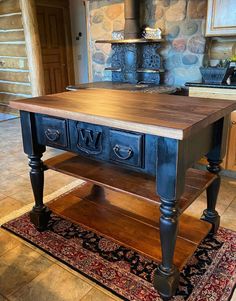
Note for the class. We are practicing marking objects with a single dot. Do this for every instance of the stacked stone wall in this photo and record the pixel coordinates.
(181, 21)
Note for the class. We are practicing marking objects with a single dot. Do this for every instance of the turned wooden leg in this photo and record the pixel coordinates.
(40, 214)
(166, 277)
(210, 214)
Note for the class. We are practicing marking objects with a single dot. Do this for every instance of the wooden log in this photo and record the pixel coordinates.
(13, 63)
(11, 22)
(5, 98)
(15, 76)
(9, 6)
(15, 88)
(17, 50)
(33, 47)
(12, 36)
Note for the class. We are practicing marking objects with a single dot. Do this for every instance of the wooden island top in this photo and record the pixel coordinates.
(169, 116)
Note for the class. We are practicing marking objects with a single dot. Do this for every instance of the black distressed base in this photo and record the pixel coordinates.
(166, 283)
(40, 218)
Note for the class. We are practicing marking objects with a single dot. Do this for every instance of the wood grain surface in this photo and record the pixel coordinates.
(11, 22)
(164, 115)
(128, 220)
(15, 88)
(15, 76)
(9, 6)
(16, 50)
(14, 63)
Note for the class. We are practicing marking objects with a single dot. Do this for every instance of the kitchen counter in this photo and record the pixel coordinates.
(141, 87)
(221, 86)
(224, 92)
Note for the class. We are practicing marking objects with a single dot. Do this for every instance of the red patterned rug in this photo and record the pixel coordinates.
(208, 276)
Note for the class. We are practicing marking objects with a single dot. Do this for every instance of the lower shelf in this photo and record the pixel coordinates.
(124, 180)
(129, 220)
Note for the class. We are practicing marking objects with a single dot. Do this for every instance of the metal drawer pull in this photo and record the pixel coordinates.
(52, 135)
(117, 149)
(233, 122)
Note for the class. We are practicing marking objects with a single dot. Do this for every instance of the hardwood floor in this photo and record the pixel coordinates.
(26, 282)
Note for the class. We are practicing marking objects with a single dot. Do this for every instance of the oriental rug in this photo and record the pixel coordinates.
(209, 274)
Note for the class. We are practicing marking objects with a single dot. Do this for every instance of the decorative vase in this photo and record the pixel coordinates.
(216, 75)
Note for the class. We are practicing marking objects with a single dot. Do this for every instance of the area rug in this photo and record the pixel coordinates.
(209, 275)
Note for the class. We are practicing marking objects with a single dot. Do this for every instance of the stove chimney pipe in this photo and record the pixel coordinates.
(132, 28)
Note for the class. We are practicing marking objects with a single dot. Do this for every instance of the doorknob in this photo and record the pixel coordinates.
(79, 35)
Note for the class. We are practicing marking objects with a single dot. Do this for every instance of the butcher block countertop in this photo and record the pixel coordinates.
(170, 116)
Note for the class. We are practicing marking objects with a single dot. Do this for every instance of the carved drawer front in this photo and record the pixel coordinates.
(53, 131)
(126, 148)
(89, 140)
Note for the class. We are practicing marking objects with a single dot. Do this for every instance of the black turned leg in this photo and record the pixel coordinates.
(210, 214)
(40, 214)
(171, 169)
(166, 277)
(214, 157)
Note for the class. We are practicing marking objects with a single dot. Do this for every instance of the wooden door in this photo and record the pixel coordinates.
(54, 32)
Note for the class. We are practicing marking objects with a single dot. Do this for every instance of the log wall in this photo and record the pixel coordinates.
(14, 70)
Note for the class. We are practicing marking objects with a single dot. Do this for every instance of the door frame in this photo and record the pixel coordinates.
(64, 5)
(88, 35)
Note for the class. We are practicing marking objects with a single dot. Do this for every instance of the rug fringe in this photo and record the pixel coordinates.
(47, 198)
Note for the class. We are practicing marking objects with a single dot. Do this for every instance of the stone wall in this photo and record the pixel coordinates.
(181, 21)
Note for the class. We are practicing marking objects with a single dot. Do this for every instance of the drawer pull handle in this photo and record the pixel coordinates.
(52, 135)
(233, 122)
(118, 149)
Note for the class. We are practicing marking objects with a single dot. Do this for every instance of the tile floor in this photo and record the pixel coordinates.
(27, 273)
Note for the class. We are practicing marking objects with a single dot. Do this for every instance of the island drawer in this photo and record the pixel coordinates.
(52, 131)
(126, 147)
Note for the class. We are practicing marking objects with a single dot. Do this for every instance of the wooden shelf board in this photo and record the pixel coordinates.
(124, 180)
(128, 220)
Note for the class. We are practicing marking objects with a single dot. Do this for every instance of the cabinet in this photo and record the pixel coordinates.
(221, 18)
(222, 93)
(231, 153)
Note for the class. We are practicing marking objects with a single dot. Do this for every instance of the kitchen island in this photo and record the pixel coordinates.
(137, 151)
